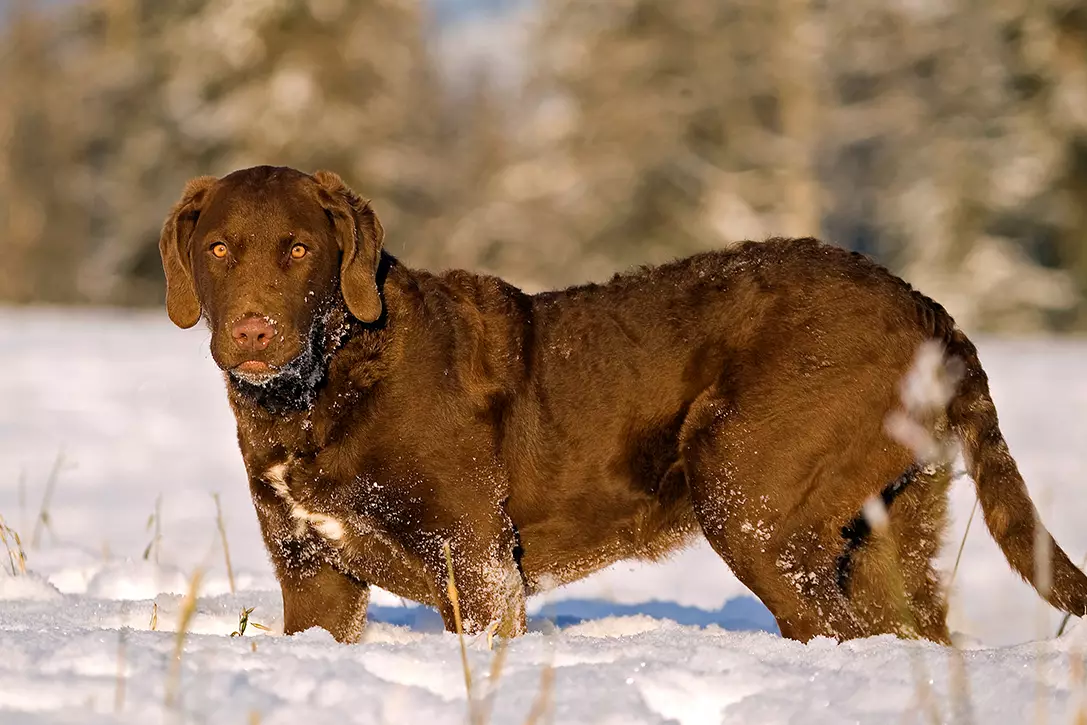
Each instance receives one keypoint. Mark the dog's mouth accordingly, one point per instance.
(255, 372)
(285, 386)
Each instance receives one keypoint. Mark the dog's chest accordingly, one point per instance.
(331, 527)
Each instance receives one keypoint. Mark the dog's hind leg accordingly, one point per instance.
(870, 576)
(778, 529)
(918, 523)
(776, 474)
(887, 572)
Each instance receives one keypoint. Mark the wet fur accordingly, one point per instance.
(738, 395)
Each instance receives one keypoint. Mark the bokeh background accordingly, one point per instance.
(552, 142)
(557, 141)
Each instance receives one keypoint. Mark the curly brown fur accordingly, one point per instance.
(740, 395)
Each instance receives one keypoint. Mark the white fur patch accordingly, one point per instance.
(327, 526)
(277, 476)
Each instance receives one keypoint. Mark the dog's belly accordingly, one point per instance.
(547, 566)
(576, 541)
(577, 514)
(604, 481)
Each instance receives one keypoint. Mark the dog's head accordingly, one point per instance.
(265, 255)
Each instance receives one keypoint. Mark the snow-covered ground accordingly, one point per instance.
(129, 411)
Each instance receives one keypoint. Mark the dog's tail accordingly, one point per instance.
(1009, 512)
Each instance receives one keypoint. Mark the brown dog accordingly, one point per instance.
(395, 422)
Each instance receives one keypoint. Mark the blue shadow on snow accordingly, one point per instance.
(740, 614)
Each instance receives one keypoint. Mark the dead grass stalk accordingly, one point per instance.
(43, 521)
(222, 537)
(185, 616)
(454, 600)
(14, 546)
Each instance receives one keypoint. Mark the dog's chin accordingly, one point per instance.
(256, 373)
(280, 388)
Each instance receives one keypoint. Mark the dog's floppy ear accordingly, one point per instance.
(360, 236)
(181, 303)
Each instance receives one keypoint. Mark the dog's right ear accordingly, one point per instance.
(181, 303)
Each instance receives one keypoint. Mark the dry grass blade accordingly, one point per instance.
(14, 546)
(961, 701)
(222, 537)
(498, 662)
(1043, 559)
(454, 600)
(962, 545)
(1041, 701)
(154, 616)
(22, 499)
(541, 706)
(42, 522)
(1076, 685)
(1043, 582)
(185, 615)
(154, 521)
(875, 513)
(926, 390)
(926, 701)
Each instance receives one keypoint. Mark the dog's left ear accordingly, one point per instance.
(361, 236)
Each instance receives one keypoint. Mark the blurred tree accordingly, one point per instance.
(912, 131)
(476, 142)
(942, 158)
(37, 224)
(1061, 108)
(659, 133)
(947, 139)
(155, 93)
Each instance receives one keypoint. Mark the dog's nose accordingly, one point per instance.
(253, 333)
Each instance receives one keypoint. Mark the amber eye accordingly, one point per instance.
(298, 251)
(219, 250)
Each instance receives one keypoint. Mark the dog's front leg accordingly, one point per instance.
(316, 591)
(486, 586)
(325, 598)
